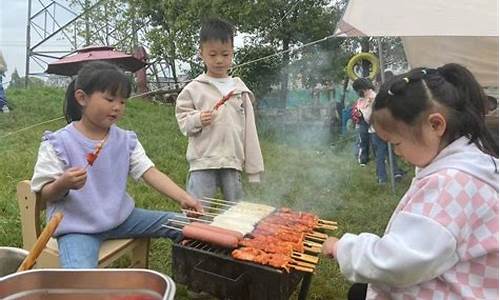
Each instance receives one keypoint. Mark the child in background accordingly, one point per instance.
(367, 134)
(442, 240)
(361, 116)
(215, 111)
(92, 193)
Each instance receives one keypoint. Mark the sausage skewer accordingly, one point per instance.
(209, 236)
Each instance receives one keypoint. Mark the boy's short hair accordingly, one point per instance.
(362, 84)
(216, 30)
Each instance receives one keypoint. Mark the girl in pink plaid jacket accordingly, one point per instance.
(442, 240)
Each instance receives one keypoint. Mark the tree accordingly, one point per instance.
(286, 24)
(259, 76)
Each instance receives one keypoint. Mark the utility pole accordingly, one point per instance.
(28, 45)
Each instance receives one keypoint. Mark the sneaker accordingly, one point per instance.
(398, 175)
(362, 164)
(381, 182)
(5, 109)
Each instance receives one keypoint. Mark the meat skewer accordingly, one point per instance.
(274, 260)
(223, 100)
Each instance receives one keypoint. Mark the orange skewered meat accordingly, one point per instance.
(271, 238)
(261, 257)
(264, 245)
(92, 156)
(223, 100)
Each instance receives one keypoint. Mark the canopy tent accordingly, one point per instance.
(434, 32)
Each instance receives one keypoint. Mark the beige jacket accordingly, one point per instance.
(231, 141)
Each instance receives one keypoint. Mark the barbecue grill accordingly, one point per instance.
(203, 267)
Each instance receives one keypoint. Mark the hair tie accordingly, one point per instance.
(405, 79)
(390, 92)
(424, 71)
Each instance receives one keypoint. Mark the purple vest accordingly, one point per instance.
(103, 202)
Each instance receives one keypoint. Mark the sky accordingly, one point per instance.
(13, 15)
(13, 20)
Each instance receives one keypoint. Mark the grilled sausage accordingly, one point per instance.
(209, 236)
(234, 233)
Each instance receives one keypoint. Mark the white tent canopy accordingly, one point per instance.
(434, 32)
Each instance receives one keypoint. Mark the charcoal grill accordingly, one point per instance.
(202, 267)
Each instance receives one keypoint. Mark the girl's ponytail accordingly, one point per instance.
(72, 110)
(471, 105)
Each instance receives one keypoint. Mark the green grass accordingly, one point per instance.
(302, 172)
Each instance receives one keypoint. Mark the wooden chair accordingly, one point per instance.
(30, 207)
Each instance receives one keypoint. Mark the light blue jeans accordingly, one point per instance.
(204, 183)
(80, 251)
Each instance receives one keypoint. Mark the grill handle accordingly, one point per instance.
(234, 282)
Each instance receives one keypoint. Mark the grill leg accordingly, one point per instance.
(304, 288)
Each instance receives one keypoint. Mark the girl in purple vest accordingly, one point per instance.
(92, 193)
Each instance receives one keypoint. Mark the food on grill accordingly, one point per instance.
(234, 233)
(255, 207)
(264, 245)
(210, 236)
(241, 225)
(263, 258)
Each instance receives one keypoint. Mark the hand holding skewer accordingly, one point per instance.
(330, 247)
(206, 118)
(73, 178)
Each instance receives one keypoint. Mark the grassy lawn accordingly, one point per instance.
(303, 174)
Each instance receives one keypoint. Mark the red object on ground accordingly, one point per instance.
(70, 65)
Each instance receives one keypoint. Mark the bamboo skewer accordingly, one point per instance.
(171, 227)
(329, 227)
(305, 257)
(303, 264)
(213, 202)
(314, 239)
(201, 214)
(220, 200)
(196, 219)
(312, 249)
(312, 244)
(301, 269)
(318, 234)
(327, 222)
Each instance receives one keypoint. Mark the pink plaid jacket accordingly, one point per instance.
(442, 240)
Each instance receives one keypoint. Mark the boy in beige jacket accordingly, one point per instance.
(215, 111)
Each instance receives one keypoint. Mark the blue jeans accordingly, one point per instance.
(363, 142)
(204, 183)
(381, 156)
(80, 251)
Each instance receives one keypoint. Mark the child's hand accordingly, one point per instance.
(73, 178)
(206, 118)
(330, 247)
(192, 204)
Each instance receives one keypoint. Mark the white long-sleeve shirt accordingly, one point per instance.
(441, 241)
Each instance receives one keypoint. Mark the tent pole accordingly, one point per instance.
(389, 146)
